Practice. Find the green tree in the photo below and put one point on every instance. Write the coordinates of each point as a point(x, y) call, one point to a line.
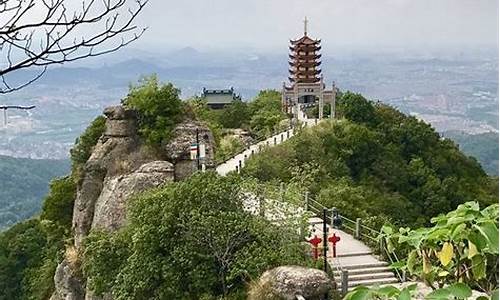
point(266, 112)
point(356, 108)
point(84, 144)
point(21, 249)
point(159, 108)
point(235, 115)
point(188, 240)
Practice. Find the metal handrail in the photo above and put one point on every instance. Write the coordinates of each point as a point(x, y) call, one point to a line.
point(390, 254)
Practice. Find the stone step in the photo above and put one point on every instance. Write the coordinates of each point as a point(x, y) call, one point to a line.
point(371, 282)
point(354, 254)
point(381, 275)
point(366, 271)
point(365, 265)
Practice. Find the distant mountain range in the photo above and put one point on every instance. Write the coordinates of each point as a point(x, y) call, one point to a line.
point(457, 93)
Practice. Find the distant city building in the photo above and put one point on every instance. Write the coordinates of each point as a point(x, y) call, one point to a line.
point(306, 86)
point(218, 99)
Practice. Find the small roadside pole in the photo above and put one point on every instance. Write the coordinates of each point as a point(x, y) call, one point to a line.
point(325, 241)
point(197, 148)
point(325, 245)
point(306, 201)
point(357, 233)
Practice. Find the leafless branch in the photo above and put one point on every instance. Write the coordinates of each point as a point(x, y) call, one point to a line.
point(39, 33)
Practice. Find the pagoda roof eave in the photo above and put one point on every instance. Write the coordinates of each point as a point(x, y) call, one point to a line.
point(305, 40)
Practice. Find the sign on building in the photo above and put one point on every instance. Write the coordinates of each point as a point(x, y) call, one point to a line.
point(193, 149)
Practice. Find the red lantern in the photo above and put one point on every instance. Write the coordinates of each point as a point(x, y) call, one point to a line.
point(334, 239)
point(315, 241)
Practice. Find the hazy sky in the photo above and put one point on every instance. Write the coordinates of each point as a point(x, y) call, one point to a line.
point(267, 24)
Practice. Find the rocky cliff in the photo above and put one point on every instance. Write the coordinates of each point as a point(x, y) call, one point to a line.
point(120, 167)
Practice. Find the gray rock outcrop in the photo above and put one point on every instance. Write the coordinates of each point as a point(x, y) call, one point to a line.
point(286, 282)
point(120, 167)
point(68, 286)
point(177, 150)
point(110, 207)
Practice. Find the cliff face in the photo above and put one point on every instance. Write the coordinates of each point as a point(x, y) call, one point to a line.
point(120, 167)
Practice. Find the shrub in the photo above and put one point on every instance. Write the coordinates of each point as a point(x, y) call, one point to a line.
point(159, 108)
point(84, 144)
point(190, 239)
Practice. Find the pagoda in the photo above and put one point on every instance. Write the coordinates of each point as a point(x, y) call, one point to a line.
point(306, 87)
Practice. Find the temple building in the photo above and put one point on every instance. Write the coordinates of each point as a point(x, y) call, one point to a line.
point(218, 99)
point(306, 85)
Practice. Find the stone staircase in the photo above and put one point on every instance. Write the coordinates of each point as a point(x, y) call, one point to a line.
point(365, 273)
point(353, 256)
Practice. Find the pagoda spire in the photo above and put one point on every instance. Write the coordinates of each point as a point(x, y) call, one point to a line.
point(305, 25)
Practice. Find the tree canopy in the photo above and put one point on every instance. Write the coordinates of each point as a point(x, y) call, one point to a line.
point(377, 162)
point(188, 240)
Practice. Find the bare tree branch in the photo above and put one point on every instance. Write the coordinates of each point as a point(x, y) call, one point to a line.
point(37, 34)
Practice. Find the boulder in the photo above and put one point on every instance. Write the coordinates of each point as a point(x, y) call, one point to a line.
point(110, 207)
point(67, 285)
point(286, 282)
point(119, 112)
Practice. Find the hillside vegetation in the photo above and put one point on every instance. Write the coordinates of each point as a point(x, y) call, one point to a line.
point(24, 183)
point(192, 239)
point(377, 163)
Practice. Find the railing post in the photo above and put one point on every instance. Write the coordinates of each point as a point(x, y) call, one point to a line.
point(262, 209)
point(381, 245)
point(282, 190)
point(345, 281)
point(325, 241)
point(403, 275)
point(306, 201)
point(357, 234)
point(333, 215)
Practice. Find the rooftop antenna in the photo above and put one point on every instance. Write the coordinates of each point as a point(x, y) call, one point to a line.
point(305, 25)
point(6, 107)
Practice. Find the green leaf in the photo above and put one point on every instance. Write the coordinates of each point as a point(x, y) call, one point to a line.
point(459, 230)
point(412, 261)
point(439, 294)
point(494, 295)
point(490, 231)
point(388, 291)
point(405, 295)
point(460, 290)
point(360, 293)
point(478, 267)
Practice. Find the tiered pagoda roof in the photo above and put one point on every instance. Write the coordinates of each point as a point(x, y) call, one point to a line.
point(305, 60)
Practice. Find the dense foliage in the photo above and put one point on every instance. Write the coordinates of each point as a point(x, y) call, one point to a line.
point(159, 108)
point(24, 183)
point(188, 240)
point(484, 147)
point(377, 162)
point(30, 251)
point(462, 246)
point(259, 117)
point(455, 256)
point(84, 144)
